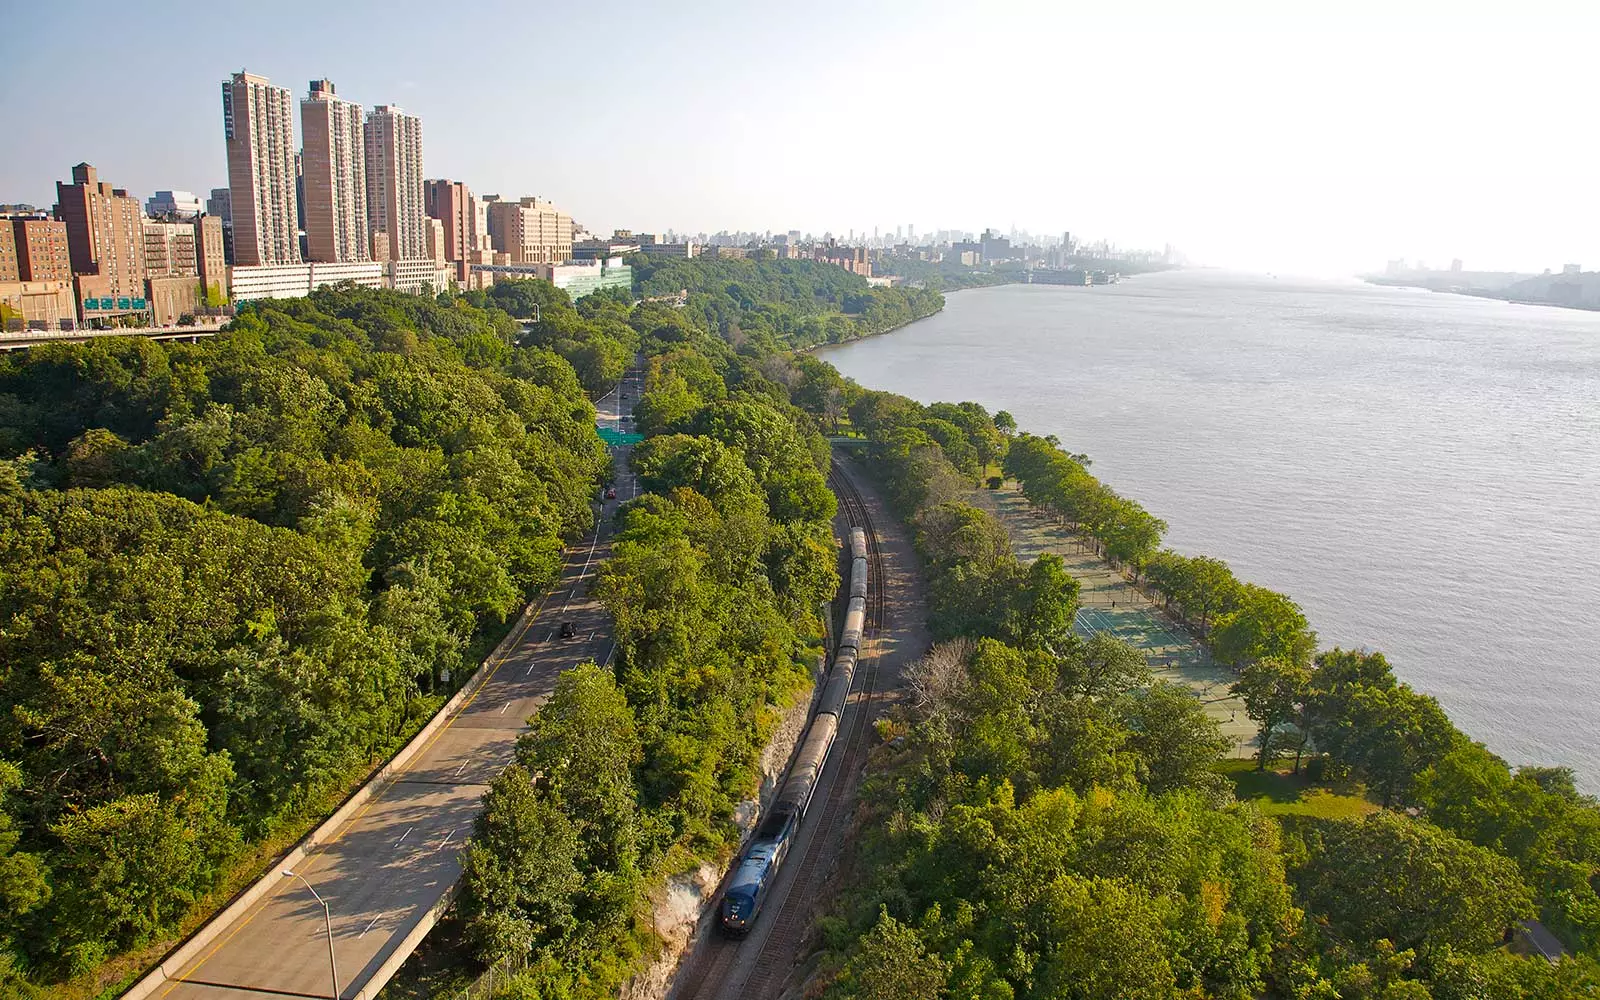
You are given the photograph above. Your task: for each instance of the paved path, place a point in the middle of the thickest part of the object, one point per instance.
(385, 870)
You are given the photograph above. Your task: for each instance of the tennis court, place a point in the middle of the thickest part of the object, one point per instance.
(1109, 604)
(1174, 657)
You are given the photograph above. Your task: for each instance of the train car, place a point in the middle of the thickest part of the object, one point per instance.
(747, 890)
(858, 578)
(855, 622)
(834, 693)
(858, 543)
(845, 662)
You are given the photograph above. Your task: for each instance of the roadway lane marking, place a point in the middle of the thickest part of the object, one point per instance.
(585, 571)
(368, 927)
(463, 767)
(403, 836)
(609, 651)
(446, 840)
(504, 707)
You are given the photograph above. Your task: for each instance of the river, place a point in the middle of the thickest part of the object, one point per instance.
(1420, 471)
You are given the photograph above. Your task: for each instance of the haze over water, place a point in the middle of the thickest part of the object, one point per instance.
(1420, 471)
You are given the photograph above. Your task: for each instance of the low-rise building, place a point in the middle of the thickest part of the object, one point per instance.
(418, 276)
(173, 203)
(290, 281)
(576, 278)
(172, 297)
(38, 305)
(654, 249)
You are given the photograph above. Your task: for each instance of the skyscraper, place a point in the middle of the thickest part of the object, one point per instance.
(335, 176)
(258, 124)
(394, 181)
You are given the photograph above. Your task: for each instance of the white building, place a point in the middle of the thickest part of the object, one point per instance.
(292, 281)
(164, 203)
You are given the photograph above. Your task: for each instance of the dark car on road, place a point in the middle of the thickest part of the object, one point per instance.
(611, 493)
(567, 631)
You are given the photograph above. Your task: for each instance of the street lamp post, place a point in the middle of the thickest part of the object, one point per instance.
(327, 922)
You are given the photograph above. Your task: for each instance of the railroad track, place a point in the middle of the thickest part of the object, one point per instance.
(789, 923)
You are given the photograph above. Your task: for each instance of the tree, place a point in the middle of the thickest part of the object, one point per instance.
(1273, 691)
(1042, 610)
(519, 873)
(23, 883)
(1393, 878)
(1101, 938)
(1005, 423)
(1387, 736)
(1179, 743)
(1206, 587)
(891, 963)
(936, 679)
(1103, 667)
(1264, 624)
(583, 747)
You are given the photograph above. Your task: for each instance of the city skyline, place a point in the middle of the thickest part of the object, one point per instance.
(1227, 133)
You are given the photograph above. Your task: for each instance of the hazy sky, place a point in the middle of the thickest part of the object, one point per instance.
(1279, 135)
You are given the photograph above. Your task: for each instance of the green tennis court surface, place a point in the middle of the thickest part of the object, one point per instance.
(1175, 657)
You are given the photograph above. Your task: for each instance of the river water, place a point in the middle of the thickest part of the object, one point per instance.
(1420, 471)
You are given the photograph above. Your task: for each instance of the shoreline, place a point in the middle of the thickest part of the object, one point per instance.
(1482, 294)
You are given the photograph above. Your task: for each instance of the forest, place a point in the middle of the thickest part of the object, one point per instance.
(1045, 820)
(236, 573)
(768, 305)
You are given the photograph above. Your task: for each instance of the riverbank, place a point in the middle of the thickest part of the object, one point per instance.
(1573, 291)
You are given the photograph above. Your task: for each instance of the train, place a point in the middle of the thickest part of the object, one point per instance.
(764, 856)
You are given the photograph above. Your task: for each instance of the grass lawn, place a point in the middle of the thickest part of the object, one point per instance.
(1280, 793)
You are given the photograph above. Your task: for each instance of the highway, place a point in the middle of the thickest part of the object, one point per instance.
(384, 872)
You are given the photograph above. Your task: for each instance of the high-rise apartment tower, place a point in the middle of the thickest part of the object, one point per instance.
(258, 124)
(335, 176)
(394, 181)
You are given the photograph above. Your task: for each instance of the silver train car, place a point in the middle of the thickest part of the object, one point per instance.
(858, 578)
(763, 858)
(855, 622)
